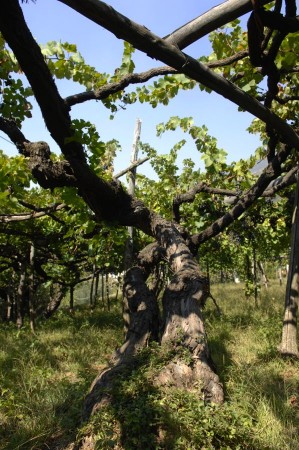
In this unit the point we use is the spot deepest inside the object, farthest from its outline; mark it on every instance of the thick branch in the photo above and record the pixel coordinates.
(274, 187)
(28, 53)
(210, 21)
(270, 173)
(49, 174)
(108, 200)
(142, 39)
(282, 183)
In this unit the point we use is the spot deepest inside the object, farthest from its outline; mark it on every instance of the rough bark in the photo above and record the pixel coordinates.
(183, 322)
(144, 325)
(182, 327)
(289, 346)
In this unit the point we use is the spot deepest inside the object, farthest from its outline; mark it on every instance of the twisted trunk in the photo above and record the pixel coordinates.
(182, 325)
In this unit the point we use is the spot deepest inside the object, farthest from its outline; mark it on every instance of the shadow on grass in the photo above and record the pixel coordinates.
(277, 382)
(83, 317)
(44, 378)
(221, 357)
(142, 415)
(65, 417)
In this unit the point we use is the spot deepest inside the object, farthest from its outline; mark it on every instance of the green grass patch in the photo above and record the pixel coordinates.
(44, 378)
(258, 382)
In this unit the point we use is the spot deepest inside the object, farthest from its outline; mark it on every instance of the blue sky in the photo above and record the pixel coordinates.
(51, 20)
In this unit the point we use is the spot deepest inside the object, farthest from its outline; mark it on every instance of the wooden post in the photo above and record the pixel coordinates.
(102, 290)
(289, 346)
(129, 251)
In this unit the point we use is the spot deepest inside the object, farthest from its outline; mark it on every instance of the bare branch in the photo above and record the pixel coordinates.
(112, 88)
(132, 166)
(6, 218)
(28, 53)
(189, 197)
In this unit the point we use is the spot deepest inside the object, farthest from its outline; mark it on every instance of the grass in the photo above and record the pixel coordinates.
(43, 380)
(258, 381)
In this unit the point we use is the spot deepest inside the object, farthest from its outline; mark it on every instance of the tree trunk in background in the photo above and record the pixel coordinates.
(280, 275)
(31, 289)
(103, 290)
(263, 273)
(107, 291)
(117, 290)
(92, 286)
(254, 268)
(9, 305)
(96, 288)
(289, 346)
(20, 296)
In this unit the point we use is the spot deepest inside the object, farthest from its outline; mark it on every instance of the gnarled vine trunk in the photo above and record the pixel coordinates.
(182, 325)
